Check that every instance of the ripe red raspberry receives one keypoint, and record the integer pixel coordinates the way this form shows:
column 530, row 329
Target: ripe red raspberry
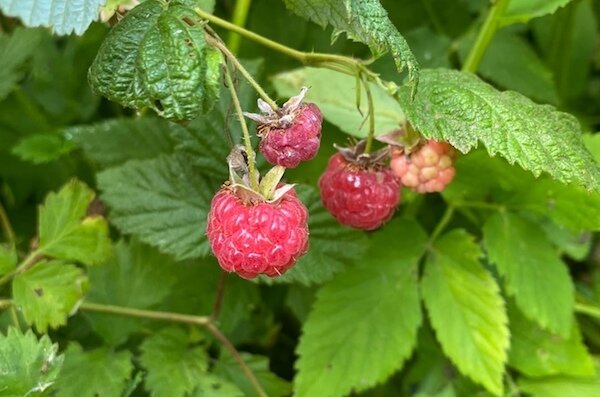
column 257, row 237
column 428, row 169
column 290, row 134
column 361, row 197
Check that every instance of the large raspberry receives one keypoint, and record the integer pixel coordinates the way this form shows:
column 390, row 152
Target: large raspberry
column 361, row 197
column 428, row 169
column 290, row 134
column 257, row 238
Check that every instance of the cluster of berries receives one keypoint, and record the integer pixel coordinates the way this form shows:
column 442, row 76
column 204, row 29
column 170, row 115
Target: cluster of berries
column 252, row 232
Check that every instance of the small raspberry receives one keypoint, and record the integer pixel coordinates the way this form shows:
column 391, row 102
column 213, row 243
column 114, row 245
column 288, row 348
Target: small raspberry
column 428, row 169
column 291, row 134
column 357, row 196
column 257, row 237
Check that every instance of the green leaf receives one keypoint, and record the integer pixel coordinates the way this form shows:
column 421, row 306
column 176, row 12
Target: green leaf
column 48, row 293
column 466, row 309
column 522, row 253
column 66, row 232
column 228, row 368
column 364, row 322
column 459, row 108
column 157, row 57
column 570, row 206
column 42, row 148
column 535, row 352
column 15, row 50
column 365, row 21
column 94, row 373
column 63, row 16
column 521, row 11
column 173, row 367
column 212, row 386
column 511, row 63
column 29, row 366
column 137, row 277
column 116, row 141
column 332, row 246
column 8, row 258
column 592, row 142
column 561, row 386
column 335, row 94
column 163, row 201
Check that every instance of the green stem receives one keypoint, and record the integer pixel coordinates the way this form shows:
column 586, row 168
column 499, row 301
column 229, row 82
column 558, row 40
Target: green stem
column 486, row 34
column 243, row 71
column 444, row 221
column 240, row 15
column 309, row 58
column 590, row 310
column 247, row 143
column 219, row 296
column 27, row 263
column 371, row 117
column 6, row 227
column 203, row 321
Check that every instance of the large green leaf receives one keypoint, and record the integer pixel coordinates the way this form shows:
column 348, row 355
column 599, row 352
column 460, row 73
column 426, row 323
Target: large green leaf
column 47, row 293
column 561, row 386
column 157, row 57
column 364, row 322
column 534, row 273
column 15, row 49
column 570, row 206
column 66, row 232
column 335, row 94
column 365, row 21
column 332, row 246
column 116, row 141
column 536, row 352
column 459, row 108
column 466, row 309
column 63, row 16
column 29, row 366
column 173, row 367
column 162, row 201
column 94, row 373
column 524, row 10
column 137, row 277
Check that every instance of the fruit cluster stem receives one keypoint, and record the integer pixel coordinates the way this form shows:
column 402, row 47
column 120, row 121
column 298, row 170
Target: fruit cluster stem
column 371, row 107
column 485, row 36
column 246, row 134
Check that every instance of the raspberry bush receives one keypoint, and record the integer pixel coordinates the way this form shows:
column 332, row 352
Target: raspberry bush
column 307, row 198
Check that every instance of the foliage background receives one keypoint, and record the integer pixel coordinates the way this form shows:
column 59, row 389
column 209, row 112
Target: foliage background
column 492, row 288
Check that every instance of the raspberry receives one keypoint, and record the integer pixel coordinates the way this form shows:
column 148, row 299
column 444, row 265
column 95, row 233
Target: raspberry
column 428, row 169
column 290, row 134
column 361, row 197
column 257, row 237
column 298, row 142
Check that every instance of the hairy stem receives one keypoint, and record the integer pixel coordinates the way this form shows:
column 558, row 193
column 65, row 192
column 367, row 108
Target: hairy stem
column 6, row 227
column 371, row 107
column 247, row 143
column 216, row 332
column 240, row 15
column 27, row 263
column 485, row 36
column 444, row 221
column 203, row 321
column 243, row 71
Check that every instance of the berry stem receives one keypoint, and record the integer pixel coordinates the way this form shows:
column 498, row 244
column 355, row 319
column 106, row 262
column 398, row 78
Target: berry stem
column 246, row 134
column 485, row 36
column 240, row 15
column 444, row 221
column 243, row 71
column 371, row 117
column 6, row 226
column 340, row 63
